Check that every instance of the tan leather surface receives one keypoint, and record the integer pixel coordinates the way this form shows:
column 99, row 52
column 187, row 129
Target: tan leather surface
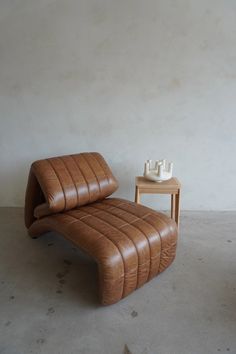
column 130, row 243
column 67, row 182
column 33, row 197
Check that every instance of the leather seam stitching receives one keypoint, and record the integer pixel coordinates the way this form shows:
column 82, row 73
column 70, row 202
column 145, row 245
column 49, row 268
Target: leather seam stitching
column 82, row 176
column 135, row 227
column 161, row 257
column 64, row 208
column 118, row 206
column 100, row 192
column 64, row 163
column 111, row 242
column 122, row 232
column 102, row 169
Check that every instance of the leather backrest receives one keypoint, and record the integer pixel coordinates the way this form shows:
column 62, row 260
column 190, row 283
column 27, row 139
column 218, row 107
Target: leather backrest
column 61, row 183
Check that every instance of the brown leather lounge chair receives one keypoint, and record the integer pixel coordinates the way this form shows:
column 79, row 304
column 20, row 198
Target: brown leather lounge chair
column 130, row 243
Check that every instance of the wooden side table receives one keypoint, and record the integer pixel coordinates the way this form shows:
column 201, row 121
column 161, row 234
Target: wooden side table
column 172, row 187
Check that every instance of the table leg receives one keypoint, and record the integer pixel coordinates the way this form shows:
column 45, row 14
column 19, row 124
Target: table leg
column 177, row 207
column 173, row 206
column 137, row 195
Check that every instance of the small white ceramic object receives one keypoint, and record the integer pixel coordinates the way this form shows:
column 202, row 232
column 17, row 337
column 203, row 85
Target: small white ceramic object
column 161, row 171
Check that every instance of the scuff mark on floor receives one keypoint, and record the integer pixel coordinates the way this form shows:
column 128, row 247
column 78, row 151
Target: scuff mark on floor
column 126, row 350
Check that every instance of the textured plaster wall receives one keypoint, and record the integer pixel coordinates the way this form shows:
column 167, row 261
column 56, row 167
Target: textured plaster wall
column 131, row 79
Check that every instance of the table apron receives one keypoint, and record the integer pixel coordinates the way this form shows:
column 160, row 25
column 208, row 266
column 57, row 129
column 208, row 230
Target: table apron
column 163, row 191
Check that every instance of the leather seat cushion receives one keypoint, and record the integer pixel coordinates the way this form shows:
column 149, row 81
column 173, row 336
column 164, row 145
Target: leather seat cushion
column 133, row 241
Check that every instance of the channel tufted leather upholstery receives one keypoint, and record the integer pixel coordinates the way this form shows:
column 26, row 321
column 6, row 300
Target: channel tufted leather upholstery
column 62, row 183
column 130, row 243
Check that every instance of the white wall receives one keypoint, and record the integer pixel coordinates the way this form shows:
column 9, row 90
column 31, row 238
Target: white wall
column 131, row 79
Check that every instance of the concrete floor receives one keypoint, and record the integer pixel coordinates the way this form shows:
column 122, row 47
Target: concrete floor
column 48, row 298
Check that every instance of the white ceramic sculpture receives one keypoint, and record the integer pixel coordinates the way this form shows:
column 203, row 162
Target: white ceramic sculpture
column 158, row 172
